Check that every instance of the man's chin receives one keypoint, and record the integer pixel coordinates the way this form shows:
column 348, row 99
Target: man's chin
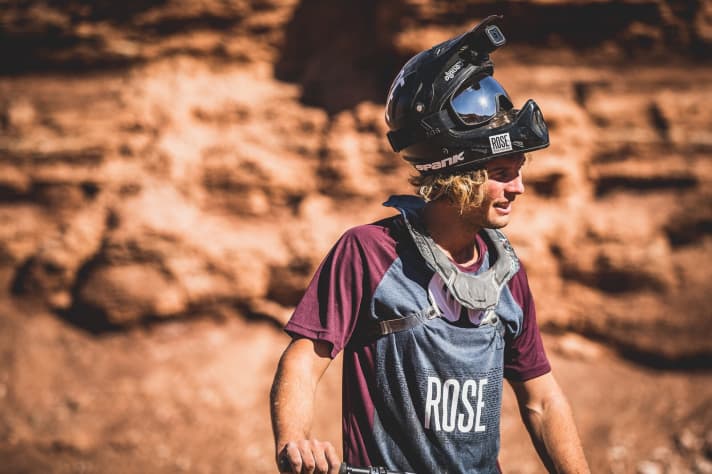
column 491, row 221
column 497, row 224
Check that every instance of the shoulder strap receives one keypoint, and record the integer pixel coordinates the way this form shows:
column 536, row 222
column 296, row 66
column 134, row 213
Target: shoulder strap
column 389, row 326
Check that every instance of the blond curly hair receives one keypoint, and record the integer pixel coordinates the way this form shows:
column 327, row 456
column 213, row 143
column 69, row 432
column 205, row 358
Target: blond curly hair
column 466, row 190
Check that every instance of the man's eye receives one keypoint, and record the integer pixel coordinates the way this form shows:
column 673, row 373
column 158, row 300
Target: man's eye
column 503, row 175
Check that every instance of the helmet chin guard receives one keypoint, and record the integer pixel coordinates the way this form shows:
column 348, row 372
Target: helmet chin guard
column 447, row 114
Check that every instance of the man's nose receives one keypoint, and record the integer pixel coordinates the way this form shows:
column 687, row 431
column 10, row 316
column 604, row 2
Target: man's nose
column 515, row 185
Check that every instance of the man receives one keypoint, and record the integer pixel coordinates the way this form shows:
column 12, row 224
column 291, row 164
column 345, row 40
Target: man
column 431, row 307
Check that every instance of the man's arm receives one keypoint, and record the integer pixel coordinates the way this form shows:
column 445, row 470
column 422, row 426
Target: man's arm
column 550, row 423
column 292, row 408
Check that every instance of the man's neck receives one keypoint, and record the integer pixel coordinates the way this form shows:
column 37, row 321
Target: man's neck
column 452, row 232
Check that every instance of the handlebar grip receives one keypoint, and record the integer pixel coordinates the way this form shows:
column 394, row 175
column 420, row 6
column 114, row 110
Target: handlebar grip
column 284, row 466
column 346, row 469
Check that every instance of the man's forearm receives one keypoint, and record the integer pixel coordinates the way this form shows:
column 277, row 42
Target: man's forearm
column 555, row 437
column 548, row 418
column 292, row 396
column 292, row 409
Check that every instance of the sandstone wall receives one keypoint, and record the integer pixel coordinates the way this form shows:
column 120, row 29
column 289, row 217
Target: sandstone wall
column 173, row 171
column 171, row 158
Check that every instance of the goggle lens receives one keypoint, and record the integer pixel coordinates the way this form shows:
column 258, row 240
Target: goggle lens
column 480, row 100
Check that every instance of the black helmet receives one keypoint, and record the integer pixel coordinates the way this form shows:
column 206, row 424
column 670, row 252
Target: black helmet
column 441, row 106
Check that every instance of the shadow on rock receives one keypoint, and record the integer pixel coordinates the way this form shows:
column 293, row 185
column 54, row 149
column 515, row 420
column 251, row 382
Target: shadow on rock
column 344, row 58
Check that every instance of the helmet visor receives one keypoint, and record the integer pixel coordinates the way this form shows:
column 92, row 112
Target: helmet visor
column 478, row 100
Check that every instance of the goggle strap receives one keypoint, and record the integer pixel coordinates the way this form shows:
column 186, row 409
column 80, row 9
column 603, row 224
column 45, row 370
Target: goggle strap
column 401, row 138
column 437, row 123
column 432, row 125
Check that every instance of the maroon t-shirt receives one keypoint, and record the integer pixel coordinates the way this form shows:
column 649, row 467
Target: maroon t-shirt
column 371, row 272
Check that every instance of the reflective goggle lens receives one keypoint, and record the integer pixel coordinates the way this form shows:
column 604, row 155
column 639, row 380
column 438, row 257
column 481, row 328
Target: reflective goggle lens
column 480, row 100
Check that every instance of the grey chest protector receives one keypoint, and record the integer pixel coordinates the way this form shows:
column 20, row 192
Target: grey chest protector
column 478, row 291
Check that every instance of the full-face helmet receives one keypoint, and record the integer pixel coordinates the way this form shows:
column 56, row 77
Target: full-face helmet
column 447, row 113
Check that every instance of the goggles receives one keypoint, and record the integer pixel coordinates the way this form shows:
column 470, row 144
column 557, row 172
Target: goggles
column 525, row 131
column 478, row 100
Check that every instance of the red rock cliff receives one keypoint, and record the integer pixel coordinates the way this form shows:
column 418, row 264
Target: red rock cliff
column 175, row 159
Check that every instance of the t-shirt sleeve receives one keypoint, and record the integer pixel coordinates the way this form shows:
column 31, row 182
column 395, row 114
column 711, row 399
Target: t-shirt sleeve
column 525, row 357
column 330, row 307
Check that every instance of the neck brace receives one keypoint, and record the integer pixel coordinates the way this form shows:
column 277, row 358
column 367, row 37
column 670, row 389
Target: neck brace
column 474, row 291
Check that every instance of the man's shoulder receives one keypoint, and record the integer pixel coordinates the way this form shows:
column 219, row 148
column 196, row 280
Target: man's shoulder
column 381, row 231
column 376, row 241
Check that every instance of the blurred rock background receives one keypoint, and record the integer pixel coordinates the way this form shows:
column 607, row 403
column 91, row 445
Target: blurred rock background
column 172, row 172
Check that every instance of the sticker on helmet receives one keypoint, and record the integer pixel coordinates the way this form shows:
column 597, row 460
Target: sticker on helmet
column 399, row 81
column 500, row 143
column 450, row 73
column 449, row 161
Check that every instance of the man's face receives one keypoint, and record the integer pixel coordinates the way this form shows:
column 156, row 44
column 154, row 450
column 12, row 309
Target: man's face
column 504, row 184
